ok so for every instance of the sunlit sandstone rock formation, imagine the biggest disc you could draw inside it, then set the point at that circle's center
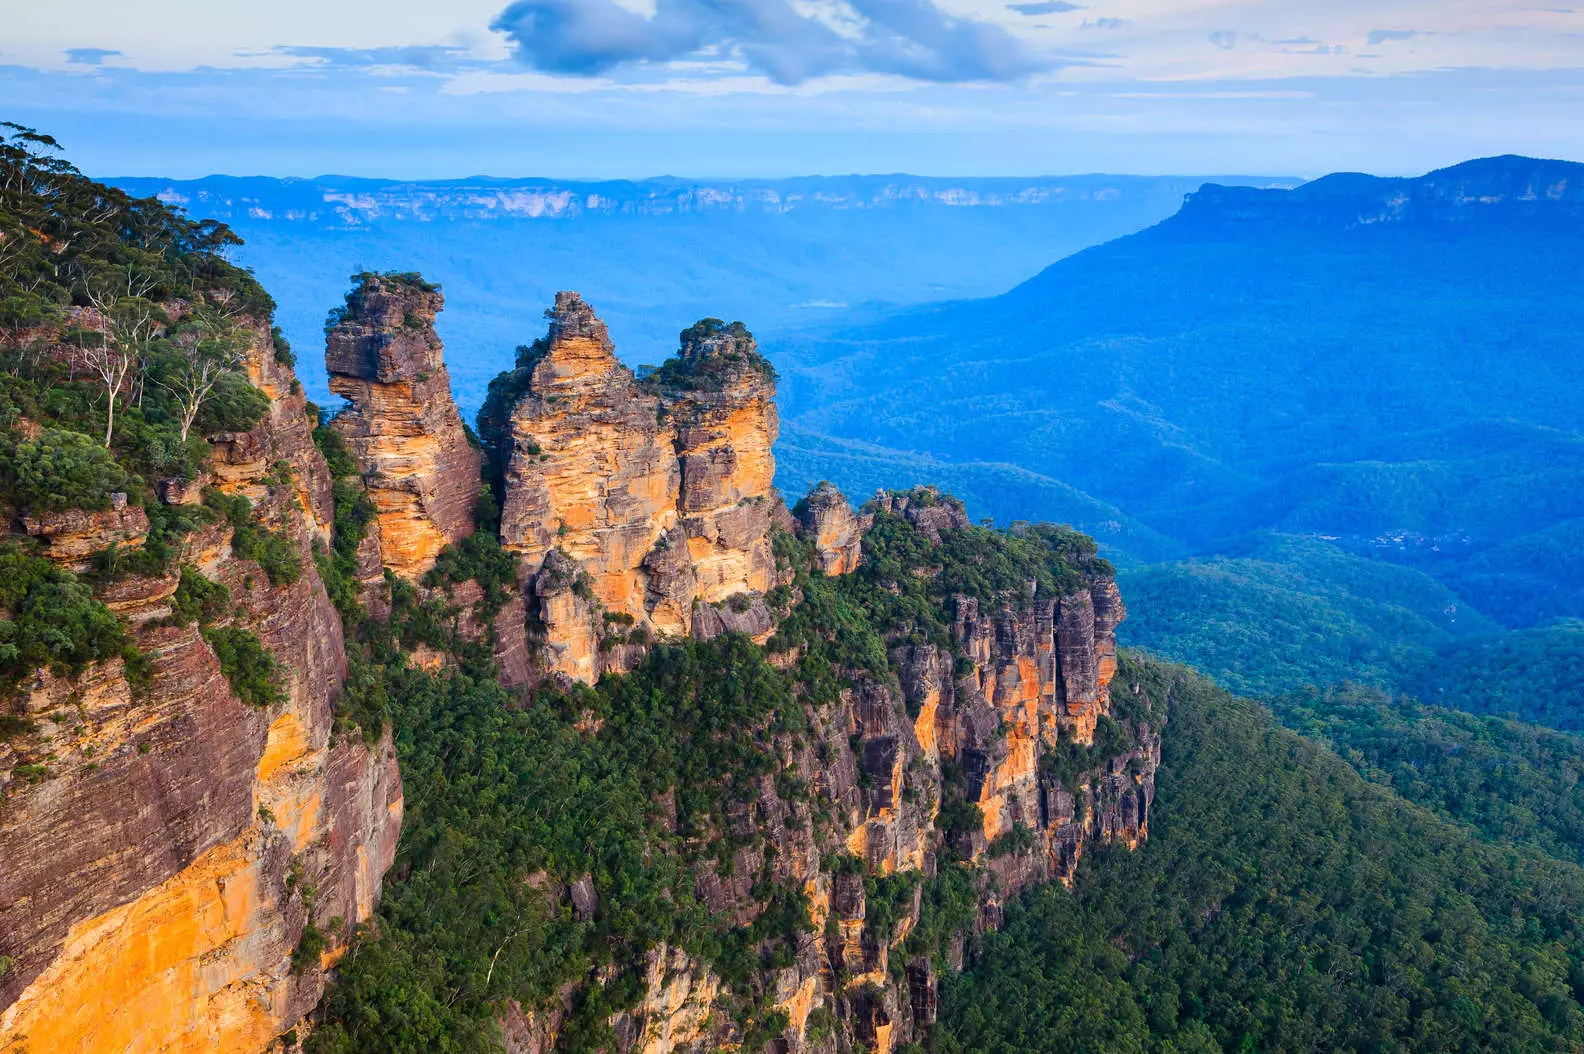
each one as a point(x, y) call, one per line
point(640, 507)
point(657, 491)
point(384, 358)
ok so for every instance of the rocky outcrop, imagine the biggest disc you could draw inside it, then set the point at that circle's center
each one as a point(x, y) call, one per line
point(828, 521)
point(593, 473)
point(421, 473)
point(168, 845)
point(1014, 716)
point(658, 491)
point(73, 537)
point(719, 393)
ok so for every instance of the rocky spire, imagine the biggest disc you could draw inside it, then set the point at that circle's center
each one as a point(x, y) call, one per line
point(659, 491)
point(402, 426)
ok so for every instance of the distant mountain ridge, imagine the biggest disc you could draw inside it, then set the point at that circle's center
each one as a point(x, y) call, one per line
point(353, 201)
point(653, 256)
point(1504, 187)
point(1391, 364)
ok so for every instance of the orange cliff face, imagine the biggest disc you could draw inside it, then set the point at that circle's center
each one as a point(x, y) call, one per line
point(402, 426)
point(835, 532)
point(657, 492)
point(593, 473)
point(720, 394)
point(148, 899)
point(1033, 679)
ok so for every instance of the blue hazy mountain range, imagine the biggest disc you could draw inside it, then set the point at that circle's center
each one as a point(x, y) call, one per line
point(653, 256)
point(1330, 430)
point(1392, 365)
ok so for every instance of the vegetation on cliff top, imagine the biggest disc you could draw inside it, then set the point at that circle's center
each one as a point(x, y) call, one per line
point(123, 332)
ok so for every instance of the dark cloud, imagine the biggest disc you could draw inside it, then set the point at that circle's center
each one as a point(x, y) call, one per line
point(912, 38)
point(1381, 36)
point(89, 56)
point(424, 57)
point(1045, 7)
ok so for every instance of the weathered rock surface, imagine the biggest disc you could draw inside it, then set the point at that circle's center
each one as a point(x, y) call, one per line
point(1017, 684)
point(593, 473)
point(828, 521)
point(156, 842)
point(72, 537)
point(402, 426)
point(658, 491)
point(720, 394)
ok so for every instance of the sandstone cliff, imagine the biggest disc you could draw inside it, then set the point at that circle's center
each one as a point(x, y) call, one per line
point(384, 358)
point(1011, 716)
point(837, 535)
point(182, 851)
point(658, 492)
point(167, 847)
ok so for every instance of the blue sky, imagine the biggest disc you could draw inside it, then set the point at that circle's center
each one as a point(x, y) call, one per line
point(739, 88)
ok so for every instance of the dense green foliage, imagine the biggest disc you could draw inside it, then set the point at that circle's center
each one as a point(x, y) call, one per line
point(247, 664)
point(1536, 674)
point(52, 619)
point(478, 558)
point(63, 470)
point(498, 793)
point(85, 280)
point(628, 786)
point(198, 599)
point(1510, 781)
point(1278, 613)
point(1282, 903)
point(271, 550)
point(61, 228)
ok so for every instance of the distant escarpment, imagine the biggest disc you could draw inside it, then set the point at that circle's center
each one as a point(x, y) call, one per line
point(1494, 189)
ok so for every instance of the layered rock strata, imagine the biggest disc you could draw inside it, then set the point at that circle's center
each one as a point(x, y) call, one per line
point(657, 492)
point(1015, 685)
point(401, 425)
point(159, 841)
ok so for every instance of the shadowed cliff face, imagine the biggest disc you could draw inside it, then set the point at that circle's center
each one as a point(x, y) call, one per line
point(383, 356)
point(158, 841)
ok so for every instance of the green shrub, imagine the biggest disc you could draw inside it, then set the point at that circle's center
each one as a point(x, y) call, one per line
point(310, 946)
point(479, 558)
point(283, 351)
point(271, 550)
point(65, 470)
point(234, 406)
point(54, 619)
point(246, 664)
point(198, 599)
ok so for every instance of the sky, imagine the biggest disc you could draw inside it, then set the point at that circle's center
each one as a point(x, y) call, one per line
point(414, 89)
